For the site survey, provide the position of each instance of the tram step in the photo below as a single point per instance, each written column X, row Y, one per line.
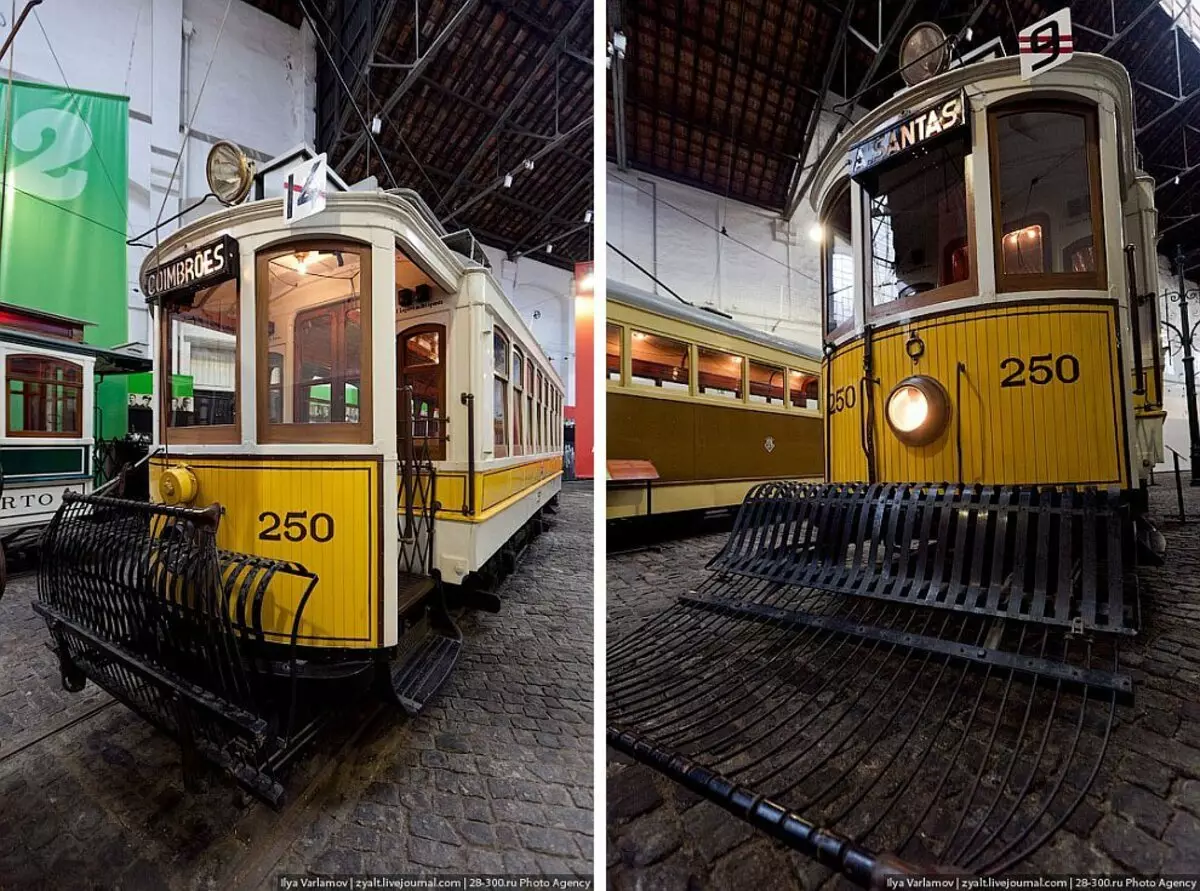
column 421, row 671
column 412, row 589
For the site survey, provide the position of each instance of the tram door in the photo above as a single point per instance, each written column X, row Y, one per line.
column 421, row 379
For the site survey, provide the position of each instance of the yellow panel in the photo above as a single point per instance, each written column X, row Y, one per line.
column 333, row 532
column 492, row 487
column 1060, row 432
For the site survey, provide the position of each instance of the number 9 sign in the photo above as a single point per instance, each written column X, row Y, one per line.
column 1046, row 44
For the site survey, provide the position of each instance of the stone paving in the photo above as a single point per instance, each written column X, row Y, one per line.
column 1142, row 815
column 495, row 776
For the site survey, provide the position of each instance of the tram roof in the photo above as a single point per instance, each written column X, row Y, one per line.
column 703, row 318
column 107, row 361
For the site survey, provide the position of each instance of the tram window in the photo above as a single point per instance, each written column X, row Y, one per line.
column 612, row 349
column 718, row 373
column 312, row 300
column 659, row 362
column 915, row 211
column 766, row 384
column 1045, row 166
column 518, row 368
column 200, row 362
column 802, row 389
column 839, row 263
column 45, row 397
column 500, row 393
column 532, row 428
column 422, row 377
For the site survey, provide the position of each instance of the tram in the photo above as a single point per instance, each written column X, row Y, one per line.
column 48, row 419
column 700, row 408
column 351, row 417
column 963, row 580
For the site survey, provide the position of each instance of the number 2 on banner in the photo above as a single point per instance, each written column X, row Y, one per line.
column 58, row 139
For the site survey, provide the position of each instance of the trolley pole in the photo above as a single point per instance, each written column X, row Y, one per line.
column 1189, row 371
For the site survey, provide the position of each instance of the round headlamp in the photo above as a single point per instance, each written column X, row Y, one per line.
column 917, row 410
column 230, row 173
column 923, row 53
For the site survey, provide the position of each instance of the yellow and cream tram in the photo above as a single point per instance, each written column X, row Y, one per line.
column 700, row 409
column 992, row 394
column 983, row 235
column 351, row 415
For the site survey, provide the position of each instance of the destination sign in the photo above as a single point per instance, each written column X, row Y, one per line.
column 205, row 266
column 909, row 132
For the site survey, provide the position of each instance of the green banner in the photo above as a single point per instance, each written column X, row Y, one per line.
column 65, row 206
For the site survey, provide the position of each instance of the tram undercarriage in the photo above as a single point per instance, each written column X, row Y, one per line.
column 891, row 678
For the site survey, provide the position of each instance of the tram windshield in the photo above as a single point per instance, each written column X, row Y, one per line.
column 315, row 348
column 200, row 351
column 1043, row 185
column 916, row 213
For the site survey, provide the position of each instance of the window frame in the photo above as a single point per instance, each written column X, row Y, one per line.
column 80, row 387
column 518, row 400
column 742, row 395
column 361, row 432
column 620, row 330
column 1009, row 283
column 437, row 444
column 501, row 449
column 802, row 374
column 688, row 385
column 968, row 287
column 827, row 263
column 212, row 434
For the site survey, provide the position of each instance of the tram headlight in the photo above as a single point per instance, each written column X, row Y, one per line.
column 230, row 173
column 917, row 410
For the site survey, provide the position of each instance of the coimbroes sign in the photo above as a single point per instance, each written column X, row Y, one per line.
column 207, row 265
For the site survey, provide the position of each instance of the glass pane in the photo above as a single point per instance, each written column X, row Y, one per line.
column 500, row 353
column 659, row 362
column 612, row 347
column 422, row 349
column 201, row 359
column 1044, row 191
column 916, row 212
column 315, row 337
column 802, row 389
column 719, row 374
column 766, row 384
column 839, row 268
column 499, row 413
column 518, row 369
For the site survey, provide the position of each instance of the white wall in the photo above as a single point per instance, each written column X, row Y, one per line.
column 260, row 92
column 764, row 273
column 532, row 287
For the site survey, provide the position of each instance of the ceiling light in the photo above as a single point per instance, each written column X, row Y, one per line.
column 549, row 249
column 587, row 216
column 527, row 163
column 508, row 180
column 817, row 233
column 376, row 125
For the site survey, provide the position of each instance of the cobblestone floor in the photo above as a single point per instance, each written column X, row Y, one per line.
column 1142, row 815
column 494, row 777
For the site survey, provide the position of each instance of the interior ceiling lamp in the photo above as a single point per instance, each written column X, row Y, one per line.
column 230, row 173
column 924, row 53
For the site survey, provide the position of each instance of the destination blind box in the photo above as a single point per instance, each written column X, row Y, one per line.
column 205, row 266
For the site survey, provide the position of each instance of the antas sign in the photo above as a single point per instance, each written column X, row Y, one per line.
column 909, row 132
column 205, row 266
